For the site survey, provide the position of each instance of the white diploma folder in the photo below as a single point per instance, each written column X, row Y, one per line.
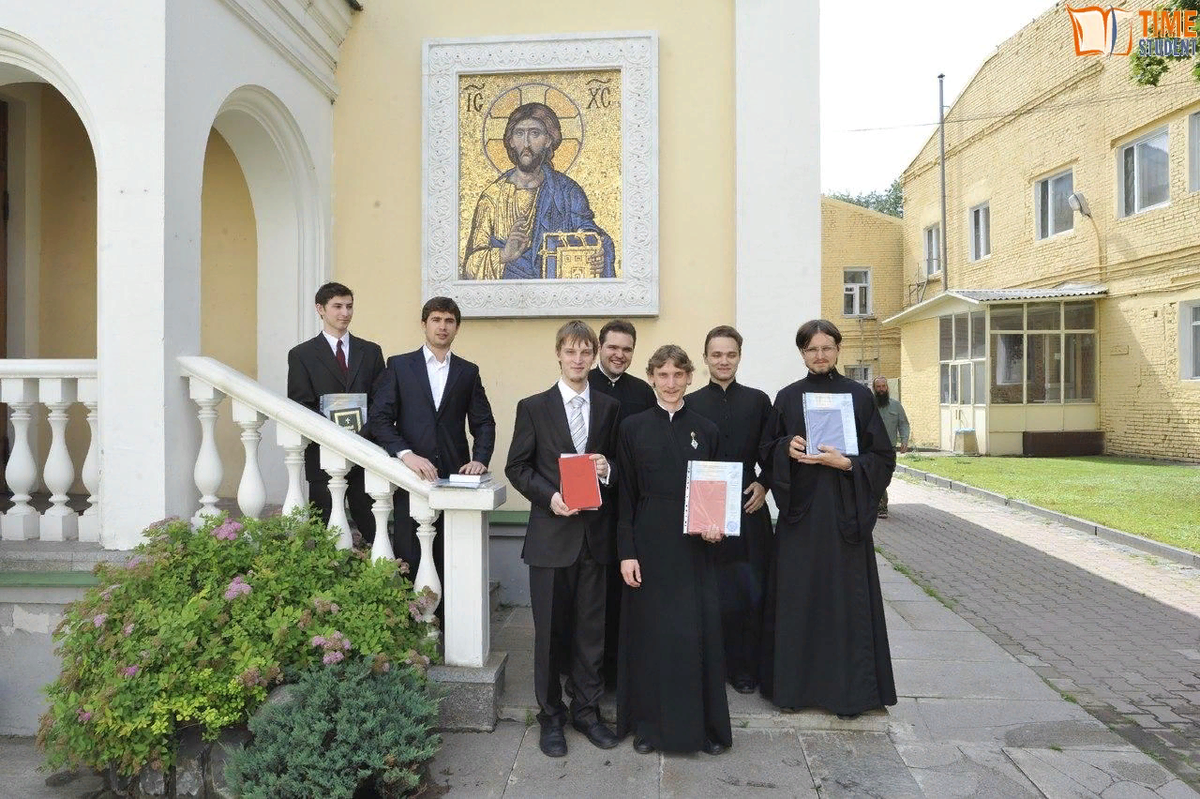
column 829, row 419
column 713, row 498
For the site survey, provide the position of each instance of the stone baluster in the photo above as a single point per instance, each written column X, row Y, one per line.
column 337, row 466
column 381, row 491
column 427, row 576
column 89, row 522
column 22, row 521
column 252, row 492
column 208, row 470
column 293, row 460
column 60, row 522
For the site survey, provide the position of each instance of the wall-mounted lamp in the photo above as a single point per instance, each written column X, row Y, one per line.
column 1077, row 202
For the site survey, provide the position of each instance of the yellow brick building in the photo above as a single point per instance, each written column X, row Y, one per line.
column 1072, row 252
column 861, row 284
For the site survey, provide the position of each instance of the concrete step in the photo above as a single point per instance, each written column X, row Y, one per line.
column 55, row 556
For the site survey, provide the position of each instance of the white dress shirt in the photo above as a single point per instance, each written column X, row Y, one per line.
column 569, row 394
column 333, row 341
column 438, row 372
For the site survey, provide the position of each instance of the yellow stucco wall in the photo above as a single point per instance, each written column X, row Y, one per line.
column 1076, row 112
column 919, row 376
column 853, row 237
column 228, row 286
column 377, row 180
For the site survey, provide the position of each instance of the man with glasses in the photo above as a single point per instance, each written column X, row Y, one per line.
column 825, row 642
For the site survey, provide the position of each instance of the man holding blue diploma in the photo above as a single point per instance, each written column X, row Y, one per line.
column 825, row 642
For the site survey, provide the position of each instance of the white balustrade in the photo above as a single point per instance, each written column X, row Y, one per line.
column 293, row 459
column 381, row 491
column 336, row 464
column 58, row 384
column 89, row 522
column 252, row 492
column 208, row 472
column 426, row 576
column 22, row 521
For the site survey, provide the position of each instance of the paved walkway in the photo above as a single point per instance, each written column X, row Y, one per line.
column 1117, row 630
column 974, row 716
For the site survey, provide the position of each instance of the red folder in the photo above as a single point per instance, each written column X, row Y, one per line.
column 706, row 507
column 579, row 485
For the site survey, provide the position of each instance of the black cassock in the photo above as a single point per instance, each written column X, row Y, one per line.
column 741, row 414
column 671, row 668
column 825, row 641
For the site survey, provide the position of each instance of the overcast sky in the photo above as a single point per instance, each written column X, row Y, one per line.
column 879, row 67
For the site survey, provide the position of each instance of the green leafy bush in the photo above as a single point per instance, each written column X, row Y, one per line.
column 197, row 625
column 341, row 728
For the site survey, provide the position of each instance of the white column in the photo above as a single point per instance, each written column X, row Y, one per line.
column 60, row 522
column 252, row 493
column 293, row 460
column 777, row 89
column 207, row 471
column 89, row 522
column 467, row 635
column 337, row 466
column 426, row 576
column 22, row 521
column 381, row 491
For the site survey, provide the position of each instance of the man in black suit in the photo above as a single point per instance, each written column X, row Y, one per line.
column 617, row 340
column 424, row 402
column 334, row 362
column 567, row 550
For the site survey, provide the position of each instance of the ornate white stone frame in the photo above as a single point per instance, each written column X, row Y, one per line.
column 635, row 293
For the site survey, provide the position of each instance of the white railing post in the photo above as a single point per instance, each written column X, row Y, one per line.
column 252, row 492
column 60, row 522
column 22, row 521
column 427, row 575
column 381, row 491
column 467, row 635
column 293, row 459
column 89, row 522
column 208, row 471
column 337, row 466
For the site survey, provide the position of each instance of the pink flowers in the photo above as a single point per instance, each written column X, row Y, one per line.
column 324, row 605
column 335, row 645
column 227, row 530
column 127, row 629
column 130, row 671
column 134, row 562
column 83, row 716
column 98, row 619
column 237, row 587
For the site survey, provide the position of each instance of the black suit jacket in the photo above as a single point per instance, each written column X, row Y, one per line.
column 540, row 435
column 313, row 370
column 403, row 416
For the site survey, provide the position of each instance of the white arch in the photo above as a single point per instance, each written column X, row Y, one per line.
column 22, row 53
column 288, row 210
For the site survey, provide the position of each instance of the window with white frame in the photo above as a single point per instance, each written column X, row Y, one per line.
column 1194, row 152
column 1051, row 208
column 859, row 372
column 981, row 231
column 933, row 250
column 1144, row 168
column 1189, row 340
column 857, row 295
column 1043, row 352
column 962, row 338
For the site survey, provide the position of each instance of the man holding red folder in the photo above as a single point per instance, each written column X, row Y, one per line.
column 567, row 548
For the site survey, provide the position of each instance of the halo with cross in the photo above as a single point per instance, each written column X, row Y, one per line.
column 570, row 119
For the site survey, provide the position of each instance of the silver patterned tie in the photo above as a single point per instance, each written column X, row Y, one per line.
column 578, row 431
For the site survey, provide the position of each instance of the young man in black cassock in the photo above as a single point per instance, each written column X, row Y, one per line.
column 740, row 413
column 618, row 337
column 825, row 639
column 671, row 671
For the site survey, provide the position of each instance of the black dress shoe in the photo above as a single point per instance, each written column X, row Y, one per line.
column 848, row 716
column 553, row 742
column 642, row 746
column 712, row 747
column 600, row 735
column 745, row 685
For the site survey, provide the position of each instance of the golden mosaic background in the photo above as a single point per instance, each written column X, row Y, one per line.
column 588, row 104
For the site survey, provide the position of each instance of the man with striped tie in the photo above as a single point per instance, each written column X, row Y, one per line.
column 567, row 550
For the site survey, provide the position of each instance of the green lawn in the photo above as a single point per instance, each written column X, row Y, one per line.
column 1155, row 500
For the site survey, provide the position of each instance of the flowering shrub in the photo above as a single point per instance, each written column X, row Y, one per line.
column 198, row 624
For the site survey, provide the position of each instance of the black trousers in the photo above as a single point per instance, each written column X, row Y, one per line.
column 356, row 497
column 568, row 624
